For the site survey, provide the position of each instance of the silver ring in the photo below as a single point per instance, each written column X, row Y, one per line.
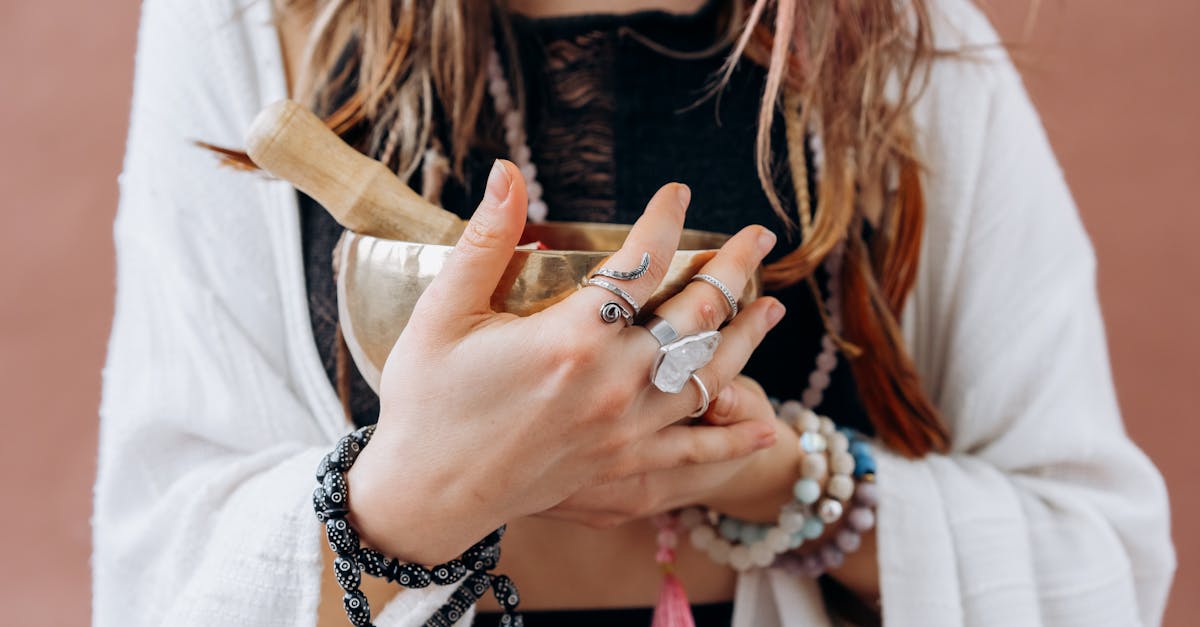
column 612, row 287
column 661, row 330
column 677, row 361
column 612, row 311
column 631, row 275
column 715, row 282
column 704, row 400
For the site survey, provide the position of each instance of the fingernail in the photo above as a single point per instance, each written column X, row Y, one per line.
column 685, row 195
column 766, row 440
column 766, row 241
column 498, row 184
column 775, row 313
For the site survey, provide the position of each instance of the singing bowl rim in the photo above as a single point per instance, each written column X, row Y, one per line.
column 712, row 239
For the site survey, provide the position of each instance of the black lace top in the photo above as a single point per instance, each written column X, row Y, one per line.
column 612, row 116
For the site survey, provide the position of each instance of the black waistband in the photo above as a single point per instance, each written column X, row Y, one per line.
column 706, row 615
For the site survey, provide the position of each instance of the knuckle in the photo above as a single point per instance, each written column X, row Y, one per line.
column 578, row 357
column 481, row 232
column 736, row 443
column 575, row 357
column 719, row 449
column 710, row 315
column 693, row 453
column 607, row 407
column 604, row 522
column 712, row 382
column 726, row 404
column 747, row 259
column 429, row 302
column 618, row 467
column 643, row 504
column 659, row 263
column 624, row 436
column 610, row 448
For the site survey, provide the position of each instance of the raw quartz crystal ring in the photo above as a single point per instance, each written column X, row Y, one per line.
column 677, row 361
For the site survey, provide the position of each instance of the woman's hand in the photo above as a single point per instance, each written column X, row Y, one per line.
column 488, row 417
column 754, row 486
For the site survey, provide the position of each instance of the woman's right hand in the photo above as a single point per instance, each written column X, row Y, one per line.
column 487, row 417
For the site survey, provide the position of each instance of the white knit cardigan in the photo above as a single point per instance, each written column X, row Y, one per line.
column 216, row 408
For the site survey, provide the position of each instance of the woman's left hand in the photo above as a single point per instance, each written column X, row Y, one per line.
column 752, row 487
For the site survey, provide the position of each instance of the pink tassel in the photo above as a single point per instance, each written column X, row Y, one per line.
column 673, row 609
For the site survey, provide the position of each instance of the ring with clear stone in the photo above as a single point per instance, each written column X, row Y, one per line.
column 679, row 360
column 704, row 398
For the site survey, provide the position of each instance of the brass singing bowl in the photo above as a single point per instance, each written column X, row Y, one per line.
column 380, row 280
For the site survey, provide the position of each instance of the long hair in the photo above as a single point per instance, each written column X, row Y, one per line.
column 845, row 70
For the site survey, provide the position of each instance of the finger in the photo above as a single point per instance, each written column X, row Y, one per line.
column 633, row 497
column 738, row 340
column 740, row 400
column 596, row 520
column 475, row 266
column 702, row 306
column 620, row 496
column 679, row 446
column 656, row 234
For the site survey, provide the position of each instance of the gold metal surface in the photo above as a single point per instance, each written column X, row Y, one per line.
column 380, row 280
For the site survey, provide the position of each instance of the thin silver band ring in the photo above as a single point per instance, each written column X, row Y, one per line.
column 704, row 399
column 729, row 298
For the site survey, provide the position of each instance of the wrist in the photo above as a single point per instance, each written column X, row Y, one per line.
column 409, row 515
column 773, row 473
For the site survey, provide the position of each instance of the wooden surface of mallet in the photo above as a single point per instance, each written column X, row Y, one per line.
column 362, row 194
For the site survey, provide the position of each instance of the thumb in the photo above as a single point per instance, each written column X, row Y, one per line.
column 475, row 266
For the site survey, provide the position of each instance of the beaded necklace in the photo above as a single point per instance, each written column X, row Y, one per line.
column 521, row 154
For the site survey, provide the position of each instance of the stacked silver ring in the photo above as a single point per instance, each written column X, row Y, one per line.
column 623, row 275
column 617, row 291
column 612, row 311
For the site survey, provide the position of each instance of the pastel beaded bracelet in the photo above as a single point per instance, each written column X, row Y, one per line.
column 819, row 434
column 743, row 544
column 859, row 520
column 826, row 450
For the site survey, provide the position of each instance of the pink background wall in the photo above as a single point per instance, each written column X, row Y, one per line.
column 1116, row 82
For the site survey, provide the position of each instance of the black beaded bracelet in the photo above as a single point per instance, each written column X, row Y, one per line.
column 331, row 504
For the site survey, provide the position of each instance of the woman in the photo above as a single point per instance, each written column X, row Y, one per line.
column 1008, row 493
